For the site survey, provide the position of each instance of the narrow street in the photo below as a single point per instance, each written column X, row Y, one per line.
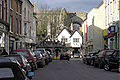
column 73, row 70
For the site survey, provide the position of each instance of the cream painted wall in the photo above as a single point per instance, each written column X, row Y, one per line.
column 76, row 44
column 64, row 34
column 96, row 25
column 111, row 12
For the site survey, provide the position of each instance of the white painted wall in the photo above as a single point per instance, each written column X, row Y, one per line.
column 76, row 44
column 64, row 34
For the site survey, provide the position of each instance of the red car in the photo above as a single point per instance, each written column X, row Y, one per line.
column 29, row 55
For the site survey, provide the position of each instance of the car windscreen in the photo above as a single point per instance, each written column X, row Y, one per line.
column 24, row 53
column 6, row 73
column 109, row 52
column 37, row 53
column 18, row 59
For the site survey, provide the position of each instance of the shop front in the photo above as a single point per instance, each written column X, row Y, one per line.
column 110, row 38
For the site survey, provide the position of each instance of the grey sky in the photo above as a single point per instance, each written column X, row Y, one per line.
column 70, row 5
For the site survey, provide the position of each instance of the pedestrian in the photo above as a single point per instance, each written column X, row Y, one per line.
column 4, row 52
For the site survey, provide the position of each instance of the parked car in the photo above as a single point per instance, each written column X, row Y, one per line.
column 8, row 59
column 112, row 62
column 12, row 71
column 64, row 56
column 76, row 55
column 29, row 55
column 88, row 58
column 92, row 58
column 44, row 54
column 22, row 60
column 101, row 57
column 40, row 58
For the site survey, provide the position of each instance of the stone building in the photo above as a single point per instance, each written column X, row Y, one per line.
column 4, row 25
column 15, row 29
column 28, row 28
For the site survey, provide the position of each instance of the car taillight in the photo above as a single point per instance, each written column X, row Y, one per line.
column 22, row 64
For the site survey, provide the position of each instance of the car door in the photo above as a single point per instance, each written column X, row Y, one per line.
column 114, row 59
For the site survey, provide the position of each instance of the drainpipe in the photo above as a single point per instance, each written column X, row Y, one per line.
column 119, row 35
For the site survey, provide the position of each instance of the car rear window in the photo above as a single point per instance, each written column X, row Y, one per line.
column 6, row 73
column 109, row 52
column 4, row 60
column 24, row 53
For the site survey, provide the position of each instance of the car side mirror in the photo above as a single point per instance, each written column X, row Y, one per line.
column 30, row 75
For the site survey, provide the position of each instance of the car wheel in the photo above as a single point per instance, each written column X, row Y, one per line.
column 107, row 67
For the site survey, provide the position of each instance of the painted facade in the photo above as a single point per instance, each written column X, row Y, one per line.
column 93, row 28
column 72, row 39
column 27, row 24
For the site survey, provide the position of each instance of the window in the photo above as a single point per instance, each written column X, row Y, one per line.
column 17, row 6
column 75, row 39
column 16, row 28
column 24, row 13
column 11, row 4
column 11, row 24
column 28, row 15
column 64, row 39
column 1, row 10
column 25, row 28
column 20, row 27
column 5, row 10
column 6, row 73
column 20, row 8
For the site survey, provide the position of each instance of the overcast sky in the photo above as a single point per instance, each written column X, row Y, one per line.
column 70, row 5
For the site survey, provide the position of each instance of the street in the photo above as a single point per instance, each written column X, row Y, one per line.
column 73, row 70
